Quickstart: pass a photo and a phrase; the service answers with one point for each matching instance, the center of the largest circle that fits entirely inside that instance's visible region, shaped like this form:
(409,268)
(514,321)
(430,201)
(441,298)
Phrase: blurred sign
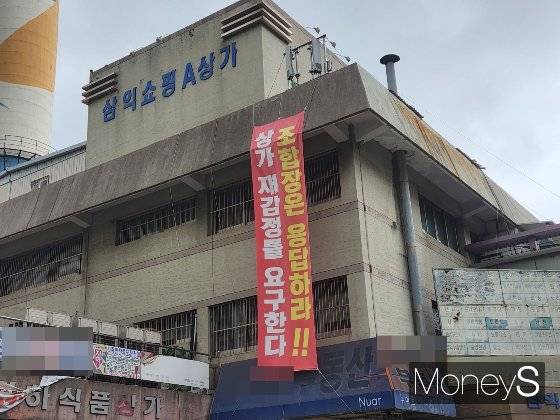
(499,312)
(173,370)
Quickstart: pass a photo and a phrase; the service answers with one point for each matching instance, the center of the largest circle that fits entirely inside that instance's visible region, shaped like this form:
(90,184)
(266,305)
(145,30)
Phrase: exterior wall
(185,267)
(18,182)
(382,236)
(260,72)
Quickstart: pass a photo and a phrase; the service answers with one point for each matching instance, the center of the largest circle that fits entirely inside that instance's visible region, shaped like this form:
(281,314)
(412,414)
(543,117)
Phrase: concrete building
(156,227)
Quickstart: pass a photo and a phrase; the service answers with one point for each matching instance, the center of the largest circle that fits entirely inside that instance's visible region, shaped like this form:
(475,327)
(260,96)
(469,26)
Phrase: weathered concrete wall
(259,73)
(186,267)
(17,182)
(172,404)
(387,256)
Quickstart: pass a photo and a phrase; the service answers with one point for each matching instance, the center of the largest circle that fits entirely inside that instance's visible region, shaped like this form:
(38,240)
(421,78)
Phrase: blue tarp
(347,382)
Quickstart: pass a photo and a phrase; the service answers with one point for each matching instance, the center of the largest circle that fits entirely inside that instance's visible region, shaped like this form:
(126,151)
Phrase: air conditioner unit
(107,328)
(37,316)
(86,322)
(59,320)
(135,333)
(152,336)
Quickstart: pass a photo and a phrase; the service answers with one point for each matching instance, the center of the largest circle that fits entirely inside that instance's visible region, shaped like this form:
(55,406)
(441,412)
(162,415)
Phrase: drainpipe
(405,206)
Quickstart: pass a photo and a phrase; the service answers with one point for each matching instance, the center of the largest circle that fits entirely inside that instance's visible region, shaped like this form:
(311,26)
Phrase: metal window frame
(233,326)
(331,307)
(173,327)
(428,214)
(322,176)
(41,266)
(156,220)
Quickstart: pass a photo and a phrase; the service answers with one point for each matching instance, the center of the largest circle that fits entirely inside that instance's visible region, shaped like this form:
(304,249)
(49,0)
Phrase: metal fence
(176,330)
(332,308)
(41,266)
(232,205)
(155,221)
(233,326)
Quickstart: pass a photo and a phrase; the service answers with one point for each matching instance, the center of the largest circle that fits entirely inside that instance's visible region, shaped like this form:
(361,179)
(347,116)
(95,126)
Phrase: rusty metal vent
(260,14)
(99,88)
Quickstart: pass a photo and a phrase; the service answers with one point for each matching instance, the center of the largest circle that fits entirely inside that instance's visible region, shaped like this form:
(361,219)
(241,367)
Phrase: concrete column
(360,297)
(202,330)
(82,309)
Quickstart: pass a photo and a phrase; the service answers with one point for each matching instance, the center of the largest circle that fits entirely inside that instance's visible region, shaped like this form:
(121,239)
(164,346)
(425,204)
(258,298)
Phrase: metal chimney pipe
(389,61)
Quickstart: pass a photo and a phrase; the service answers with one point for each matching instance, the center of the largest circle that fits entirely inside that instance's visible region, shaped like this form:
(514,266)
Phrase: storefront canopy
(347,382)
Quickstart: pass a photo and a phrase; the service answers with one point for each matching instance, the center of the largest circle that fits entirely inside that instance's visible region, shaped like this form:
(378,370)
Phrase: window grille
(439,224)
(233,205)
(233,326)
(176,330)
(155,221)
(332,309)
(38,183)
(40,266)
(322,178)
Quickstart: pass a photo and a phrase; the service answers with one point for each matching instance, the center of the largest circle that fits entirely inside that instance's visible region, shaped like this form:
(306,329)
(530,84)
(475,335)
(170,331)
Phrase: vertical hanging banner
(286,327)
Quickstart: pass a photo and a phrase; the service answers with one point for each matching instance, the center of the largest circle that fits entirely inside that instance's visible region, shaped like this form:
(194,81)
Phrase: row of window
(232,205)
(439,224)
(41,266)
(233,324)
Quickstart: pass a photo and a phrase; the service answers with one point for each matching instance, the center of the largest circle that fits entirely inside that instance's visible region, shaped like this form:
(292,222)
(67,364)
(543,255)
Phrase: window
(322,178)
(233,325)
(41,266)
(332,309)
(156,221)
(176,330)
(10,161)
(439,224)
(41,182)
(233,205)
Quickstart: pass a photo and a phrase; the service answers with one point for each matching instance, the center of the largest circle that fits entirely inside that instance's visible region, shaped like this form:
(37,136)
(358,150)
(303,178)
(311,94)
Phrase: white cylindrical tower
(28,42)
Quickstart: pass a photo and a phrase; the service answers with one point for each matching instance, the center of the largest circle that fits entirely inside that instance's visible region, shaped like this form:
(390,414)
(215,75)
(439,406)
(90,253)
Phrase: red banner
(286,327)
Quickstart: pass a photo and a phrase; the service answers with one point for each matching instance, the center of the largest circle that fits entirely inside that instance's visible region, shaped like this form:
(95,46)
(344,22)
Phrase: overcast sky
(485,74)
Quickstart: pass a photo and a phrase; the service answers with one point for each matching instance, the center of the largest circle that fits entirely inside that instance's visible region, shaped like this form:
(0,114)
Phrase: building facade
(153,223)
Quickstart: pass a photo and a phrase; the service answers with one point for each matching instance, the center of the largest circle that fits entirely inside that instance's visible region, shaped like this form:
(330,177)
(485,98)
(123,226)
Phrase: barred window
(41,182)
(332,309)
(41,266)
(439,224)
(176,330)
(233,205)
(155,221)
(233,325)
(322,178)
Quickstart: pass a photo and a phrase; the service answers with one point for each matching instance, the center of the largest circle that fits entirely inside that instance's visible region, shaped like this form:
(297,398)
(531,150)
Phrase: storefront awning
(348,382)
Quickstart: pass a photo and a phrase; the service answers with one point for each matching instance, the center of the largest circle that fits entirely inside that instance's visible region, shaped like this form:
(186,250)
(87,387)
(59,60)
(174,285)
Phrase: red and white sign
(286,327)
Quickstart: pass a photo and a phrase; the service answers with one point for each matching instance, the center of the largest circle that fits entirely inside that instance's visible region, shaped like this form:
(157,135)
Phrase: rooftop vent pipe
(389,61)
